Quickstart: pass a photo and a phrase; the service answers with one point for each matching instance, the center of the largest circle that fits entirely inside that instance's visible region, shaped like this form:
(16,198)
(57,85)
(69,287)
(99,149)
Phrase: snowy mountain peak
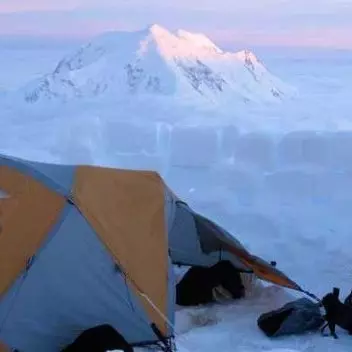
(198,39)
(158,30)
(156,61)
(247,56)
(249,59)
(180,40)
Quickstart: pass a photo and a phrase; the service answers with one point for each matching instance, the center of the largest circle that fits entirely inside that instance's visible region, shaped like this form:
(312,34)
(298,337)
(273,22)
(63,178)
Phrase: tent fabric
(60,295)
(84,245)
(262,269)
(56,177)
(204,242)
(4,348)
(126,208)
(210,235)
(267,272)
(186,241)
(228,243)
(30,212)
(181,249)
(3,194)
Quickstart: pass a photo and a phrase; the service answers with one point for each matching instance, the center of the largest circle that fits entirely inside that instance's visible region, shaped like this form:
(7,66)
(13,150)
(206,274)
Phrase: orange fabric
(26,217)
(264,271)
(4,348)
(126,209)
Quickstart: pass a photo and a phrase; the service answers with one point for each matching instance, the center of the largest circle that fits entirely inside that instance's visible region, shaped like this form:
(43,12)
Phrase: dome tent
(86,245)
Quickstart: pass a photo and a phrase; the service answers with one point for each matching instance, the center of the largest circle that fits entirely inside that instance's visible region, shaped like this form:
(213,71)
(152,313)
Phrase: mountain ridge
(153,61)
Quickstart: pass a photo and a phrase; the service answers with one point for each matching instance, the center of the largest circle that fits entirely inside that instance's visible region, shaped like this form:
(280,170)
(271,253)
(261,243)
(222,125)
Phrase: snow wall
(287,197)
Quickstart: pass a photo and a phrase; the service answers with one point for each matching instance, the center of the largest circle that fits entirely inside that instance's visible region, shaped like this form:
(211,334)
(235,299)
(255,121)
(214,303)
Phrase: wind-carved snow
(160,63)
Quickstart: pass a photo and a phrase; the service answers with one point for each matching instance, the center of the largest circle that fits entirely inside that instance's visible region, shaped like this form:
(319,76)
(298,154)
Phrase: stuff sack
(202,285)
(100,338)
(296,317)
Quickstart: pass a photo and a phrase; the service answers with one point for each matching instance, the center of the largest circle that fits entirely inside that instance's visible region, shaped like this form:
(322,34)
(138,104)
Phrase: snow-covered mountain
(155,61)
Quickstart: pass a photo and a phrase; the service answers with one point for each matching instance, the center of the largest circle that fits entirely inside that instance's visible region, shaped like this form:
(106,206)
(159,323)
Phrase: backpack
(297,317)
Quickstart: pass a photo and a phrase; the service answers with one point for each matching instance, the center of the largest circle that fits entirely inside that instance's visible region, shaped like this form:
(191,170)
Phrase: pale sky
(267,22)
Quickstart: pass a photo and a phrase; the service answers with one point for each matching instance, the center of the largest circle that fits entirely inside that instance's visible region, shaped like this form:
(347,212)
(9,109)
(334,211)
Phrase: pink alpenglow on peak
(157,62)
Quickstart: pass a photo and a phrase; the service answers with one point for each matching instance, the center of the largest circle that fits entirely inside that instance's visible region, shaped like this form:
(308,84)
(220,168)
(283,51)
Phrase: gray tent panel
(185,241)
(170,208)
(207,233)
(212,236)
(72,285)
(62,175)
(56,177)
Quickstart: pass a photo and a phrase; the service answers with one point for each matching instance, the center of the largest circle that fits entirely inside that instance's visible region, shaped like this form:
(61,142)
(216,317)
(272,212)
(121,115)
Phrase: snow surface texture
(278,178)
(183,65)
